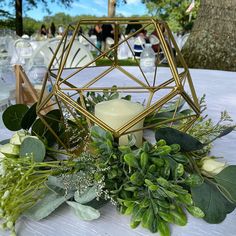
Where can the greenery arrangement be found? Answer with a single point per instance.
(154, 183)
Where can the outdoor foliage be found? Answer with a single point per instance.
(174, 13)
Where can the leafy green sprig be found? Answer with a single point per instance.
(22, 185)
(146, 183)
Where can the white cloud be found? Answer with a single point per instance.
(134, 2)
(87, 8)
(80, 5)
(102, 3)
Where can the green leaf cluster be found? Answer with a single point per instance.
(216, 195)
(147, 183)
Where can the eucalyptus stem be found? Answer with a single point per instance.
(60, 152)
(193, 164)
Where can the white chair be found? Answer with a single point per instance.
(130, 47)
(109, 42)
(93, 40)
(158, 50)
(78, 55)
(139, 44)
(23, 52)
(123, 50)
(5, 52)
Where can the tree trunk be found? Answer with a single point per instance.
(212, 42)
(111, 8)
(19, 18)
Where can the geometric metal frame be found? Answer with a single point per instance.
(176, 84)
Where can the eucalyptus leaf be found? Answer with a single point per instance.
(210, 200)
(46, 206)
(98, 132)
(174, 136)
(88, 195)
(226, 178)
(55, 181)
(33, 145)
(10, 150)
(84, 212)
(173, 105)
(13, 115)
(55, 189)
(56, 185)
(29, 117)
(131, 140)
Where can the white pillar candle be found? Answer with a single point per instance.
(116, 113)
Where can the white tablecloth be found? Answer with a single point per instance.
(220, 89)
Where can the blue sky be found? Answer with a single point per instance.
(93, 7)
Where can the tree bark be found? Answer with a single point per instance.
(212, 42)
(19, 18)
(111, 8)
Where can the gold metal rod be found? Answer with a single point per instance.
(167, 53)
(101, 89)
(84, 111)
(190, 102)
(116, 41)
(90, 83)
(132, 77)
(52, 131)
(150, 98)
(84, 106)
(62, 65)
(42, 89)
(44, 102)
(159, 124)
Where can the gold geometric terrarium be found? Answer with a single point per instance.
(166, 84)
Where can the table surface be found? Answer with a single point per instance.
(219, 87)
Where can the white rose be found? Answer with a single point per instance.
(211, 166)
(18, 137)
(10, 150)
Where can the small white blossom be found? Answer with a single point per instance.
(211, 166)
(6, 194)
(9, 224)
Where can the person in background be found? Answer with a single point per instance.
(155, 41)
(107, 32)
(139, 42)
(52, 30)
(61, 30)
(132, 28)
(43, 31)
(98, 32)
(81, 31)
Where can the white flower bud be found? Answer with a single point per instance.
(6, 194)
(18, 137)
(9, 224)
(211, 166)
(10, 150)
